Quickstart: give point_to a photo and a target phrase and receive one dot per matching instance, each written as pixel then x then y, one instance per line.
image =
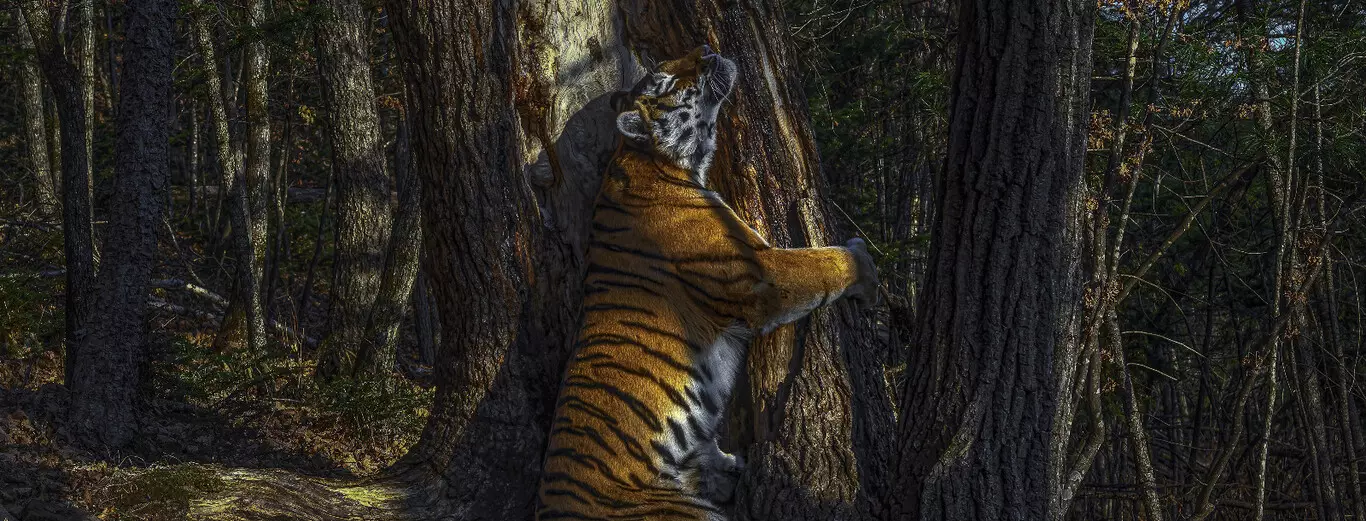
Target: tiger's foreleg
pixel 797 281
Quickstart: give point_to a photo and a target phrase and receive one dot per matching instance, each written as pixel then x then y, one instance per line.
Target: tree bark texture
pixel 493 271
pixel 362 184
pixel 45 180
pixel 104 379
pixel 505 258
pixel 400 263
pixel 257 166
pixel 248 198
pixel 63 54
pixel 976 433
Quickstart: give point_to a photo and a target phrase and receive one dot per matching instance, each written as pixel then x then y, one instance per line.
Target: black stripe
pixel 559 492
pixel 589 461
pixel 585 432
pixel 667 334
pixel 674 395
pixel 616 248
pixel 612 208
pixel 598 269
pixel 619 307
pixel 679 436
pixel 574 402
pixel 664 453
pixel 639 408
pixel 743 276
pixel 603 286
pixel 613 339
pixel 699 431
pixel 599 497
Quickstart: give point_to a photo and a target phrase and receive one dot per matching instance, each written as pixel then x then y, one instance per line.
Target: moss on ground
pixel 214 493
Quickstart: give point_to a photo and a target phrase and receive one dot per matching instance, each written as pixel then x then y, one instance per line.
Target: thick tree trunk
pixel 507 294
pixel 816 423
pixel 976 434
pixel 65 58
pixel 105 377
pixel 362 185
pixel 507 278
pixel 35 127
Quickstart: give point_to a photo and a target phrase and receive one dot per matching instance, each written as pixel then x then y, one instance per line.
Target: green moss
pixel 157 493
pixel 370 496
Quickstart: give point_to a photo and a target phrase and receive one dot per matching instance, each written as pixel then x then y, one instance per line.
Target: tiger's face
pixel 673 111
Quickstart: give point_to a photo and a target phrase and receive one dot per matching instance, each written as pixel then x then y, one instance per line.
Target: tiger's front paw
pixel 864 290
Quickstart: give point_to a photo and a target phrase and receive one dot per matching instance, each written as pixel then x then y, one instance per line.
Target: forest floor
pixel 191 459
pixel 221 432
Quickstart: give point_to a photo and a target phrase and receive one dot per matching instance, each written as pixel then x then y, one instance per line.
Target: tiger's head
pixel 673 111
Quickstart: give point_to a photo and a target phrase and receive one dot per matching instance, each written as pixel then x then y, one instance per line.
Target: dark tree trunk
pixel 507 295
pixel 378 354
pixel 977 430
pixel 64 56
pixel 105 377
pixel 35 127
pixel 362 185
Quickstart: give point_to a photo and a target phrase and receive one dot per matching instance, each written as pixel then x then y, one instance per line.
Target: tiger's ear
pixel 634 127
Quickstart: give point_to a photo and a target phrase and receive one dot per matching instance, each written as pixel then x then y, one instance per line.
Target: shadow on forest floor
pixel 189 461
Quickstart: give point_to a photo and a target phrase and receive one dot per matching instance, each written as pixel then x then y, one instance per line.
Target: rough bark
pixel 491 266
pixel 65 58
pixel 364 215
pixel 816 419
pixel 257 166
pixel 35 127
pixel 228 161
pixel 976 432
pixel 105 377
pixel 378 354
pixel 248 200
pixel 810 430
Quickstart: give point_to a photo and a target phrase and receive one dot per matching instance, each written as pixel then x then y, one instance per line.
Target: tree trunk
pixel 35 128
pixel 506 292
pixel 378 354
pixel 105 377
pixel 228 161
pixel 1002 291
pixel 507 279
pixel 816 425
pixel 257 166
pixel 362 184
pixel 63 42
pixel 244 321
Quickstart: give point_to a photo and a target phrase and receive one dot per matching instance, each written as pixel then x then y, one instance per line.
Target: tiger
pixel 676 285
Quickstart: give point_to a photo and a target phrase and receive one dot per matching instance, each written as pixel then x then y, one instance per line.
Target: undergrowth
pixel 362 426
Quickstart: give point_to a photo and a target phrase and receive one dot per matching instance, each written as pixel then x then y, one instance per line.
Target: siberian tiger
pixel 677 285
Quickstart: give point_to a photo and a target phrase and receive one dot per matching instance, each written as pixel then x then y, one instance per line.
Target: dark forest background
pixel 292 259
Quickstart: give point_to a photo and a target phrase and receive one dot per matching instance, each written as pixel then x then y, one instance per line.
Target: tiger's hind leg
pixel 719 474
